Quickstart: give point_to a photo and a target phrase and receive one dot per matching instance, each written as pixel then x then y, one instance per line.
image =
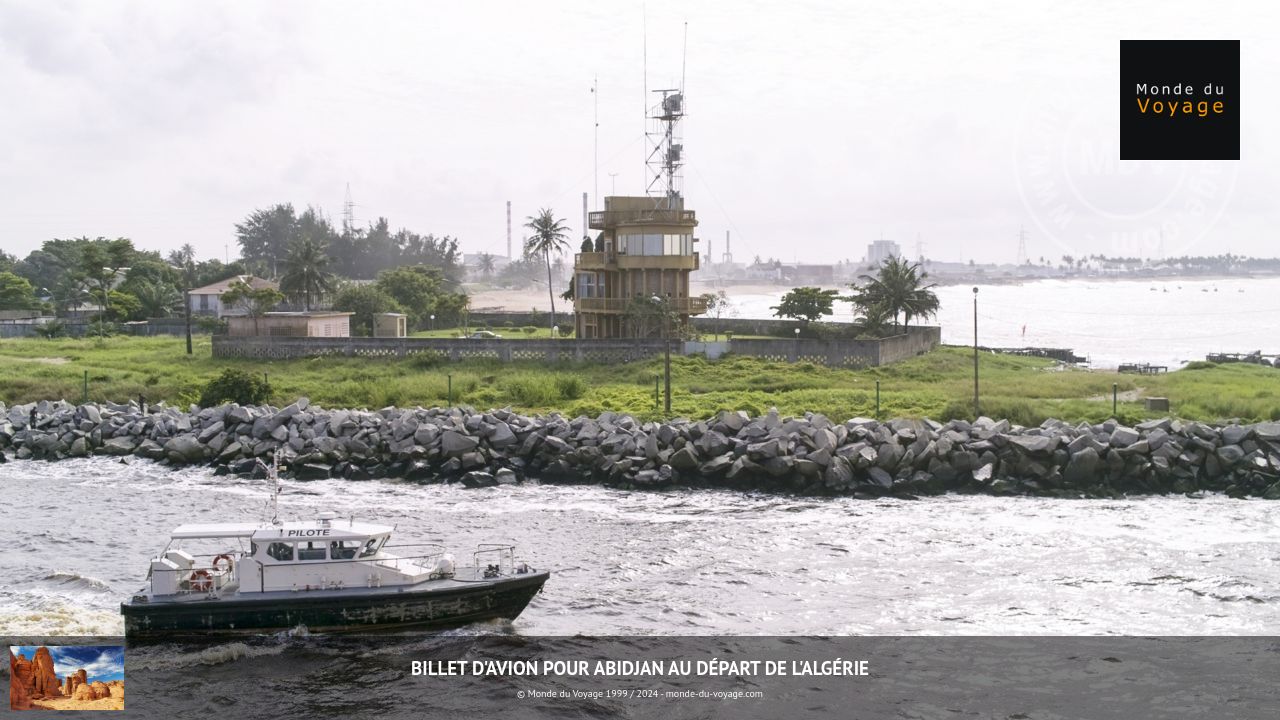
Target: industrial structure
pixel 641 259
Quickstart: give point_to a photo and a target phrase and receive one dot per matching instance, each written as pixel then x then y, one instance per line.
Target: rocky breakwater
pixel 809 454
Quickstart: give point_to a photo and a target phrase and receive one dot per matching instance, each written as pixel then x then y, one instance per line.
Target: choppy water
pixel 79 533
pixel 1163 322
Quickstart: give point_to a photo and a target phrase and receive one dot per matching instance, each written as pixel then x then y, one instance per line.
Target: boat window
pixel 253 548
pixel 371 547
pixel 310 552
pixel 343 549
pixel 280 551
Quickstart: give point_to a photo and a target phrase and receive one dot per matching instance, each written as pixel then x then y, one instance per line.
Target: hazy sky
pixel 813 127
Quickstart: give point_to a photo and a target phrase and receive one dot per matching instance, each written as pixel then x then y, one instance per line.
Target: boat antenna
pixel 273 473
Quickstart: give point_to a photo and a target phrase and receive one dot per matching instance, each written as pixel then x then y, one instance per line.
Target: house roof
pixel 222 286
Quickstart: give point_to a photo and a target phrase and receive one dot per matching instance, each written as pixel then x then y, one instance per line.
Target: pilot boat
pixel 327 574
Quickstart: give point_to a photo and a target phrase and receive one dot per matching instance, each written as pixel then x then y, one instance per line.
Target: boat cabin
pixel 325 553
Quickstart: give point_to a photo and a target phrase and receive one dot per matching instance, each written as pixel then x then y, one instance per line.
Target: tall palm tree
pixel 549 235
pixel 306 273
pixel 486 264
pixel 895 290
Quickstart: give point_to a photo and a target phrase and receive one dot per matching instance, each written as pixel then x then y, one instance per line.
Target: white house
pixel 207 300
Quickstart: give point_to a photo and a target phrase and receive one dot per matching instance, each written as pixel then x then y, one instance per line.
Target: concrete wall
pixel 836 353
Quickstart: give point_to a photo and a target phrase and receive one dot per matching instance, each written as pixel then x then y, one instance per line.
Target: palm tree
pixel 486 264
pixel 549 235
pixel 159 300
pixel 306 273
pixel 182 257
pixel 896 290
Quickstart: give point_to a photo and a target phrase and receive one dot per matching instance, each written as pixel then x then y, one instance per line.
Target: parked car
pixel 484 335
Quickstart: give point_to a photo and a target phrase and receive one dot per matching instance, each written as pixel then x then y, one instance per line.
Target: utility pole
pixel 664 304
pixel 976 412
pixel 509 256
pixel 187 308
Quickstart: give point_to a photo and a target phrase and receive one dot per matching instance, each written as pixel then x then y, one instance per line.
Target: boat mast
pixel 274 475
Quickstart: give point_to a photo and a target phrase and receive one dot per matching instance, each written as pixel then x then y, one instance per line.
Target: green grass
pixel 937 385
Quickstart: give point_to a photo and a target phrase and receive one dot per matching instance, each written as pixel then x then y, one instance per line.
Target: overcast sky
pixel 813 127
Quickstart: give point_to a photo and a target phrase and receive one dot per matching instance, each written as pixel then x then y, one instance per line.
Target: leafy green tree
pixel 420 291
pixel 7 261
pixel 100 269
pixel 208 272
pixel 366 301
pixel 898 288
pixel 306 271
pixel 16 293
pixel 122 306
pixel 264 236
pixel 806 304
pixel 549 236
pixel 255 302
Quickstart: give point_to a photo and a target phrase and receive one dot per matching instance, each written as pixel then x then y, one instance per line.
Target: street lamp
pixel 976 413
pixel 666 353
pixel 796 347
pixel 433 323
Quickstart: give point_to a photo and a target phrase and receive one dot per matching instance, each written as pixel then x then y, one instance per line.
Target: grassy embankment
pixel 937 385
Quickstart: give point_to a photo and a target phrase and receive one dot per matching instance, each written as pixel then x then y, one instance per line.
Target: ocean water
pixel 1162 322
pixel 692 562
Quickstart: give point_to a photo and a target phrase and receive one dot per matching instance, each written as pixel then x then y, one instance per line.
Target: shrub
pixel 528 330
pixel 570 387
pixel 235 386
pixel 50 330
pixel 211 325
pixel 101 328
pixel 1200 365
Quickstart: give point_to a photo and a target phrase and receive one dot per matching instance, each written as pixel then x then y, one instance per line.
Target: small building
pixel 316 323
pixel 393 325
pixel 207 300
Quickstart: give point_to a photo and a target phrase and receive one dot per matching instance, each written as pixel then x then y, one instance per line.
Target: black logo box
pixel 1189 65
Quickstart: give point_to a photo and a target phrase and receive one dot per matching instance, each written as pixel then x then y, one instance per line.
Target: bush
pixel 50 330
pixel 570 387
pixel 101 328
pixel 211 325
pixel 528 330
pixel 235 386
pixel 1200 365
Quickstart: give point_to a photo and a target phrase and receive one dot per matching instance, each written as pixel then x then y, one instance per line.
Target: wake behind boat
pixel 328 574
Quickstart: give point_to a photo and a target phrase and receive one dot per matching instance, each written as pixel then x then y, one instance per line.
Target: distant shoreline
pixel 499 300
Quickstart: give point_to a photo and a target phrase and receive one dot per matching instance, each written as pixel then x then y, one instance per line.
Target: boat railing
pixel 494 555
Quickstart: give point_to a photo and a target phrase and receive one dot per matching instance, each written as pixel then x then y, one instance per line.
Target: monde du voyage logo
pixel 1179 99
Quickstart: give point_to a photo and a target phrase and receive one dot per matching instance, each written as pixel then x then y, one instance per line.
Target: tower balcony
pixel 615 261
pixel 680 305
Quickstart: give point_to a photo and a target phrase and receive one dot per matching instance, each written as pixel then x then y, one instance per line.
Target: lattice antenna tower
pixel 348 213
pixel 666 143
pixel 1022 246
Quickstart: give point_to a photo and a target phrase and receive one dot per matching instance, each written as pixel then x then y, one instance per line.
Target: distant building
pixel 880 250
pixel 390 325
pixel 647 251
pixel 292 324
pixel 769 270
pixel 809 274
pixel 207 300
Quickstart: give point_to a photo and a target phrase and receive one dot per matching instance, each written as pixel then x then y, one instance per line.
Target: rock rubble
pixel 810 454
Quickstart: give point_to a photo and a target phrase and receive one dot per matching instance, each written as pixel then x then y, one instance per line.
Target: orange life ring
pixel 201 581
pixel 220 558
